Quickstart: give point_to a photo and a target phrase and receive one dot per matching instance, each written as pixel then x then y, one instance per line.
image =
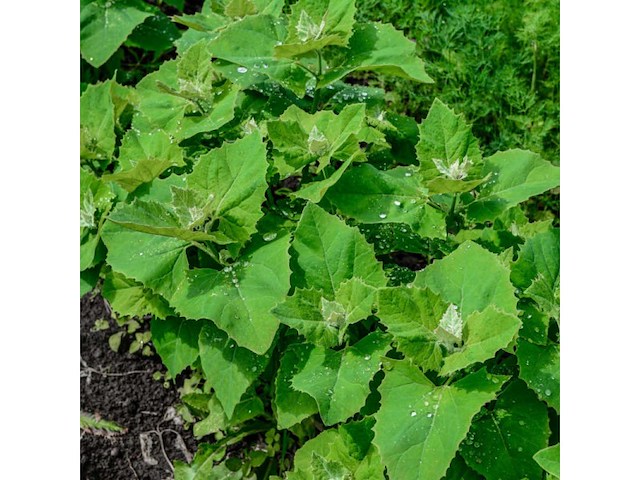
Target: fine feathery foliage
pixel 350 294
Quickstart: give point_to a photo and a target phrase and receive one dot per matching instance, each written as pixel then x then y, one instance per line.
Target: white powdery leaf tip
pixel 455 171
pixel 451 322
pixel 307 29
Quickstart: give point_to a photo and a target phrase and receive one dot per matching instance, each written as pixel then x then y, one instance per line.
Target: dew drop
pixel 397 203
pixel 242 70
pixel 547 392
pixel 267 237
pixel 367 357
pixel 383 215
pixel 413 414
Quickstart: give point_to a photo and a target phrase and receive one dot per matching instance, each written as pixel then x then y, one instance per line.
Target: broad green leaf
pixel 300 138
pixel 248 46
pixel 540 368
pixel 412 315
pixel 229 368
pixel 214 422
pixel 169 100
pixel 96 199
pixel 447 151
pixel 314 24
pixel 97 123
pixel 320 321
pixel 377 47
pixel 239 298
pixel 331 455
pixel 105 25
pixel 324 322
pixel 370 195
pixel 535 324
pixel 129 298
pixel 515 176
pixel 201 468
pixel 156 219
pixel 330 252
pixel 235 175
pixel 484 334
pixel 240 8
pixel 502 441
pixel 176 341
pixel 203 25
pixel 292 406
pixel 537 271
pixel 459 470
pixel 88 280
pixel 471 278
pixel 339 381
pixel 144 157
pixel 420 426
pixel 156 34
pixel 549 459
pixel 314 191
pixel 158 262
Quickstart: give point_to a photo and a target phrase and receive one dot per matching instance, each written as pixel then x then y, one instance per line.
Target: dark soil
pixel 119 387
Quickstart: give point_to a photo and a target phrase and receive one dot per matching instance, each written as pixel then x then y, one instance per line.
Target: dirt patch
pixel 120 387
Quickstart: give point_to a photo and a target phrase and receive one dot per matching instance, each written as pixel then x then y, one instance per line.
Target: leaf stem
pixel 319 63
pixel 212 253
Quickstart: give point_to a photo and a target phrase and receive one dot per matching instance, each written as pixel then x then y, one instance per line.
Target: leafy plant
pixel 349 292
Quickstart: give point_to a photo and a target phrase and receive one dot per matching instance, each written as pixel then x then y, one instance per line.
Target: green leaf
pixel 537 271
pixel 105 25
pixel 320 321
pixel 331 455
pixel 129 298
pixel 419 426
pixel 447 151
pixel 549 459
pixel 229 368
pixel 97 123
pixel 330 252
pixel 412 315
pixel 239 298
pixel 540 368
pixel 484 334
pixel 502 442
pixel 156 34
pixel 315 24
pixel 91 422
pixel 292 406
pixel 235 175
pixel 516 175
pixel 88 280
pixel 95 202
pixel 300 138
pixel 376 47
pixel 249 47
pixel 471 278
pixel 176 341
pixel 339 381
pixel 201 468
pixel 535 324
pixel 370 195
pixel 144 157
pixel 176 99
pixel 156 219
pixel 324 322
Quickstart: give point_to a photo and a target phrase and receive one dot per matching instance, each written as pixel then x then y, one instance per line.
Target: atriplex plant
pixel 271 217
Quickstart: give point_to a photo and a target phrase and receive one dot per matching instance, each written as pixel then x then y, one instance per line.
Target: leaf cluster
pixel 350 293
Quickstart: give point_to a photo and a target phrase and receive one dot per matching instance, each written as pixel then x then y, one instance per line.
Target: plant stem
pixel 319 74
pixel 283 448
